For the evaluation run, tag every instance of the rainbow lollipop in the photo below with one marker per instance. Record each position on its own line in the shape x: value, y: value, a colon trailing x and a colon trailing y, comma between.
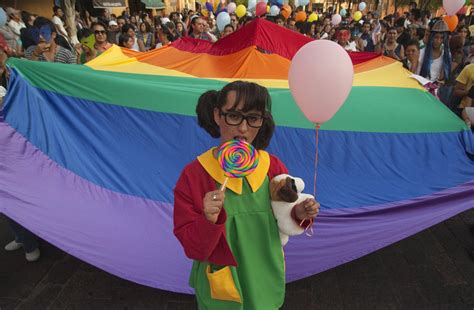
x: 237, y: 158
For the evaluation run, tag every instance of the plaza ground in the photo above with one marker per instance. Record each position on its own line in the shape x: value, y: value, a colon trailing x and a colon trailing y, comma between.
x: 430, y: 270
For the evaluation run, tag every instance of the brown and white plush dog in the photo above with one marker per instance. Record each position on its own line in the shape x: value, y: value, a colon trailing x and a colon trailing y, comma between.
x: 285, y: 193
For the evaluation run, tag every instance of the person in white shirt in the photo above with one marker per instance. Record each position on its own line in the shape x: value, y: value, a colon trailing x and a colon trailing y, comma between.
x: 15, y: 22
x: 58, y: 22
x: 343, y: 39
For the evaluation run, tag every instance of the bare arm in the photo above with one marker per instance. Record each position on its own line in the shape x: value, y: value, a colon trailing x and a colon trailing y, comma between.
x: 460, y: 90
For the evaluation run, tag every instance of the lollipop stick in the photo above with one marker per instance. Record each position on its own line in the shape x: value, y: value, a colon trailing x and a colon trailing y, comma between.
x: 224, y: 184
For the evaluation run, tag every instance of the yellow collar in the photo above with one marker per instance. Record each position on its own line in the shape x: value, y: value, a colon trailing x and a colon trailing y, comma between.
x: 255, y: 179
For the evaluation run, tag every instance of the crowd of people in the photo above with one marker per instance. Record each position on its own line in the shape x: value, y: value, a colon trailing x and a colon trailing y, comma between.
x: 423, y: 44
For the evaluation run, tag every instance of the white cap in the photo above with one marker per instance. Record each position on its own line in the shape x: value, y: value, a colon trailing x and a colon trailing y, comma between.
x: 113, y: 23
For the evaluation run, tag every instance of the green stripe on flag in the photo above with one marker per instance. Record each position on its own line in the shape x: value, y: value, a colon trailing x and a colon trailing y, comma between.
x: 368, y: 109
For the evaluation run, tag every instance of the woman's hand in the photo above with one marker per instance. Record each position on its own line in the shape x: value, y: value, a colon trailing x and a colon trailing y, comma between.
x: 307, y: 209
x: 78, y: 49
x: 468, y: 123
x: 213, y: 203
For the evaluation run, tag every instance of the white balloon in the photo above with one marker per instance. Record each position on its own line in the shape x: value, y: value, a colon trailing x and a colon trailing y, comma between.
x: 222, y: 20
x: 252, y: 4
x: 452, y: 6
x: 362, y: 6
x: 336, y: 19
x: 274, y: 10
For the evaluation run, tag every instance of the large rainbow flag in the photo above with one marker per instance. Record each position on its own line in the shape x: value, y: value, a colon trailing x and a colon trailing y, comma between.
x: 89, y: 155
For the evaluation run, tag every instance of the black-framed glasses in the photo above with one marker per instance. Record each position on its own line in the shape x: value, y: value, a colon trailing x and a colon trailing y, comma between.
x: 235, y: 118
x: 97, y: 32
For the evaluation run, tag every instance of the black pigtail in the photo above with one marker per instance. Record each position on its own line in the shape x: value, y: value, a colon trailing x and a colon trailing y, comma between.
x: 205, y: 112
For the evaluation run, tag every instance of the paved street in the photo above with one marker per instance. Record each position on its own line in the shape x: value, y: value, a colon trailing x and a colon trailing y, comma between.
x: 431, y: 270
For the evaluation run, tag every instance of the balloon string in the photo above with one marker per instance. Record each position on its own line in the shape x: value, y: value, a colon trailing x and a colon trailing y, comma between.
x: 316, y: 159
x: 309, y: 229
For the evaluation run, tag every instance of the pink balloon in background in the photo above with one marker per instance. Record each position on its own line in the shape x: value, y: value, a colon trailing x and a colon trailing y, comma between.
x: 231, y: 7
x: 452, y: 6
x: 320, y: 79
x: 261, y: 9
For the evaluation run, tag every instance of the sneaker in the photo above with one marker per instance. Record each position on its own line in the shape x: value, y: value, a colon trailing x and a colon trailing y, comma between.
x: 33, y: 256
x: 13, y: 246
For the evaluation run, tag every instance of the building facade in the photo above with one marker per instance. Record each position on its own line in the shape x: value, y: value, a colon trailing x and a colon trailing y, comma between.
x: 45, y: 7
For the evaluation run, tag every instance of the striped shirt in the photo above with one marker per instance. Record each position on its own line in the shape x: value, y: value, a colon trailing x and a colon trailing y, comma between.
x: 63, y: 55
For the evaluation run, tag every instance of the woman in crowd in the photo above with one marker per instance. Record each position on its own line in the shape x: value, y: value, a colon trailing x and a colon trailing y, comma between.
x: 391, y: 48
x: 435, y: 58
x: 47, y: 47
x: 146, y: 37
x: 180, y: 29
x: 412, y: 54
x: 463, y: 32
x: 126, y: 41
x: 228, y: 29
x: 137, y: 44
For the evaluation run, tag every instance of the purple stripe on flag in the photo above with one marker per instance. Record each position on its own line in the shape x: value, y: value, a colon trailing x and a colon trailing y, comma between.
x: 132, y: 237
x: 343, y: 235
x: 128, y: 236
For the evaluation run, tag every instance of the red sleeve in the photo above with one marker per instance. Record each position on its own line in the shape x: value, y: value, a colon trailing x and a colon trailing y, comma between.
x: 276, y: 167
x: 201, y: 239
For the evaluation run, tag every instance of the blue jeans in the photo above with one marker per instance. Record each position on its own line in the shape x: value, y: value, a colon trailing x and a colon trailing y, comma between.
x: 23, y: 236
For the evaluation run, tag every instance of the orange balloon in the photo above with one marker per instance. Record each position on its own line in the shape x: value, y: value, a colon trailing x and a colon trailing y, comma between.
x: 285, y: 11
x: 451, y: 21
x: 300, y: 16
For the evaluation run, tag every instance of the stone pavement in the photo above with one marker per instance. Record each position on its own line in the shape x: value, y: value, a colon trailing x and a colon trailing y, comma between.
x: 430, y: 270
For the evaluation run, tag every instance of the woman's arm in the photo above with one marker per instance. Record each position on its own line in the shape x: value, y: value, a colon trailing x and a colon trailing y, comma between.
x: 199, y: 237
x: 141, y: 45
x: 402, y: 52
x: 465, y: 117
x: 460, y: 89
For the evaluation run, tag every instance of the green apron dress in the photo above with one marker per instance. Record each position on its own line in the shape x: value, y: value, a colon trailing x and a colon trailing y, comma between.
x: 252, y: 234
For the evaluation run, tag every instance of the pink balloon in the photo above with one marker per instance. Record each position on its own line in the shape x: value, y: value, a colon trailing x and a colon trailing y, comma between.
x: 261, y: 9
x: 462, y: 11
x: 231, y: 7
x: 336, y: 19
x: 452, y: 6
x: 320, y: 79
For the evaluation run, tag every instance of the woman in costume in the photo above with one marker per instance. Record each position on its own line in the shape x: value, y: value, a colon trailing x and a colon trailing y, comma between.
x: 435, y: 58
x: 233, y: 236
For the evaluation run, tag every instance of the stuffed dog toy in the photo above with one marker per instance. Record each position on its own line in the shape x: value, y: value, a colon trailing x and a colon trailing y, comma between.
x: 285, y: 193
